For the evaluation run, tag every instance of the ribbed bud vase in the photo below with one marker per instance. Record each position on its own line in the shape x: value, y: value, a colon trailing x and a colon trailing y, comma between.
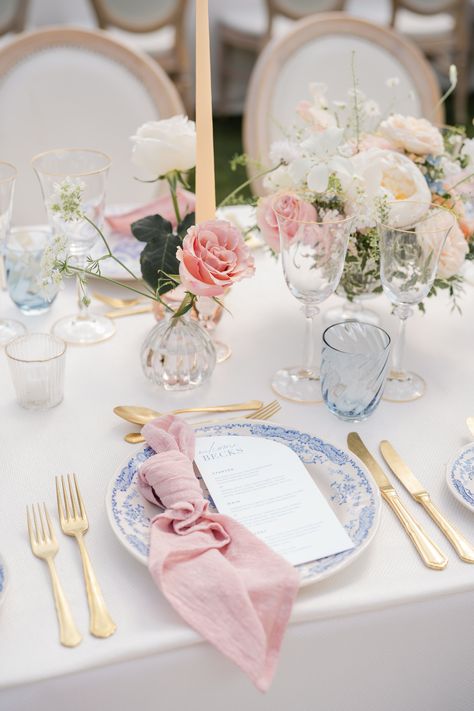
x: 178, y: 354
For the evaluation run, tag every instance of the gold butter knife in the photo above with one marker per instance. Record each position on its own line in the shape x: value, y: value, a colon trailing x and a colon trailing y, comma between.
x: 461, y: 545
x: 432, y: 556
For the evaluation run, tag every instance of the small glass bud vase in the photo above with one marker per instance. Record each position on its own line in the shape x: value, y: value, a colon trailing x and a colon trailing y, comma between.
x: 178, y: 354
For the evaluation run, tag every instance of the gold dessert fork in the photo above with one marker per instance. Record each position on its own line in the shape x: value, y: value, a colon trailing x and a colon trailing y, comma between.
x: 73, y: 518
x: 45, y: 546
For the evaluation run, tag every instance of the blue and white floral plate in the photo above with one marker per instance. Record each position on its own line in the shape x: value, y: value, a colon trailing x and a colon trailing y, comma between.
x: 460, y: 475
x: 3, y: 580
x: 350, y: 491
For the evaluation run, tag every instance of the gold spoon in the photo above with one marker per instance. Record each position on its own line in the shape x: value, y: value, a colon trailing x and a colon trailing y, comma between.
x: 470, y: 424
x: 142, y: 415
x: 263, y: 413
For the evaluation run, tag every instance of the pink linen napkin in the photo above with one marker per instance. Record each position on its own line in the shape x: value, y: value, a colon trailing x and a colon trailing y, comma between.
x: 223, y: 581
x: 161, y: 206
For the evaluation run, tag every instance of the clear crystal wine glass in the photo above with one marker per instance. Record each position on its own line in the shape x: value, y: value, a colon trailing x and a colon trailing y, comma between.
x: 409, y: 254
x: 9, y: 328
x: 88, y: 169
x: 313, y: 254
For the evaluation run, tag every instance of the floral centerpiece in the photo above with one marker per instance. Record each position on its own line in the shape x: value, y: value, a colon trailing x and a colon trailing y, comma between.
x: 192, y: 260
x: 346, y: 159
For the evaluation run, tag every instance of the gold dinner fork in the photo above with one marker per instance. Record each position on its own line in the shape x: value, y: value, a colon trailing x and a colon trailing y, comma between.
x: 45, y: 546
x: 73, y: 518
x: 263, y: 413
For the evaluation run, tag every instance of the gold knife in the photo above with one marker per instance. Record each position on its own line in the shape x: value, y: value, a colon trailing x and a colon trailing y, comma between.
x: 432, y: 556
x: 461, y: 545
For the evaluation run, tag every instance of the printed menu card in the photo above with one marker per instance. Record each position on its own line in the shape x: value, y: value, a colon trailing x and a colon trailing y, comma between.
x: 265, y: 486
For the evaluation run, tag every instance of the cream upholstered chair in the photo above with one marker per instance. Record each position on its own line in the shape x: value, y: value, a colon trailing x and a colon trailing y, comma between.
x: 441, y: 29
x: 249, y: 26
x: 321, y: 49
x: 156, y: 27
x: 77, y: 88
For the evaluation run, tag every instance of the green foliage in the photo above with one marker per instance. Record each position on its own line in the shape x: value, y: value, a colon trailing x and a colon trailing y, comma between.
x: 158, y: 259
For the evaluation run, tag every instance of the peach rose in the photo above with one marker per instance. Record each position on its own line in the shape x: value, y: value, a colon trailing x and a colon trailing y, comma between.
x: 455, y: 248
x: 413, y: 135
x: 290, y: 208
x: 213, y: 256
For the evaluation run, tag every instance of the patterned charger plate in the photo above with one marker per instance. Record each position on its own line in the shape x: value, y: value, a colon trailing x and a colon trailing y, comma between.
x: 460, y: 475
x: 350, y: 491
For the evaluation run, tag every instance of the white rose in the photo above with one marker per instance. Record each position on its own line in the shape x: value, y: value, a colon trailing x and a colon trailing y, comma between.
x: 413, y: 135
x: 163, y: 146
x: 455, y: 248
x: 391, y: 176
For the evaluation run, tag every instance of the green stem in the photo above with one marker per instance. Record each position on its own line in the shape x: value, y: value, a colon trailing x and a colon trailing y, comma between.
x: 78, y: 270
x: 247, y: 182
x: 468, y: 177
x: 356, y: 105
x: 172, y: 182
x: 111, y: 255
x: 446, y: 94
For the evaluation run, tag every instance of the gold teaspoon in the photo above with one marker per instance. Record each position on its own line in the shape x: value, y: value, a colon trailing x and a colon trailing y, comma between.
x: 142, y: 415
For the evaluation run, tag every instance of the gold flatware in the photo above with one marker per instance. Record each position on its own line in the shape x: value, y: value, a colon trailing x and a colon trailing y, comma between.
x: 44, y: 545
x: 142, y: 415
x: 73, y: 519
x: 432, y: 556
x: 131, y: 311
x: 263, y: 413
x: 117, y: 303
x: 461, y: 545
x: 470, y: 424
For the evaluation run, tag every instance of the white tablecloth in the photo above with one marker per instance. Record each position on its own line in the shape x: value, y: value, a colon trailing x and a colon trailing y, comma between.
x: 384, y: 634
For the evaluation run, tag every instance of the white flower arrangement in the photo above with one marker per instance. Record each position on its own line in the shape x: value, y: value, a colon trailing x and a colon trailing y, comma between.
x: 345, y: 156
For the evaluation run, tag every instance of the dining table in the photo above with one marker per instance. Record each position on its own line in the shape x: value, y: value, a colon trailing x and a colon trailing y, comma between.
x: 385, y: 633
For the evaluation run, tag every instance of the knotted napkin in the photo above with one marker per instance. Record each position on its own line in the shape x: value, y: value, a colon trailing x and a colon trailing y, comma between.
x: 223, y: 581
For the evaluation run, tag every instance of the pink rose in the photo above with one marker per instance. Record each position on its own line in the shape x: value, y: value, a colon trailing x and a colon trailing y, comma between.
x: 292, y: 212
x: 213, y: 256
x: 161, y: 206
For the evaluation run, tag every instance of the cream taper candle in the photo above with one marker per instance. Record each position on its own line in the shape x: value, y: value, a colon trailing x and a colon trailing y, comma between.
x: 205, y: 181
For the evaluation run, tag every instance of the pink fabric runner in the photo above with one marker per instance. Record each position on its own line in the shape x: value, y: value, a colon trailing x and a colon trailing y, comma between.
x: 161, y: 206
x: 222, y: 580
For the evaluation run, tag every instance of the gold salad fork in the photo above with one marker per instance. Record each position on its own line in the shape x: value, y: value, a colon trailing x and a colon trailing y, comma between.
x: 73, y: 518
x: 45, y: 546
x: 263, y: 413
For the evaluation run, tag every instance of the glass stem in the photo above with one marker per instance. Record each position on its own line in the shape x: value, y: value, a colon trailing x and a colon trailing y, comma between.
x: 310, y: 312
x: 403, y: 311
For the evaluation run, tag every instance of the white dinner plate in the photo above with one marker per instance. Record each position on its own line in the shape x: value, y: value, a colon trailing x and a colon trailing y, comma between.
x: 460, y: 475
x: 128, y: 249
x: 349, y: 489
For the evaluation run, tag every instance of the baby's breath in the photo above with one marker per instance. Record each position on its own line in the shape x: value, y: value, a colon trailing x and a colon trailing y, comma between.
x: 66, y: 200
